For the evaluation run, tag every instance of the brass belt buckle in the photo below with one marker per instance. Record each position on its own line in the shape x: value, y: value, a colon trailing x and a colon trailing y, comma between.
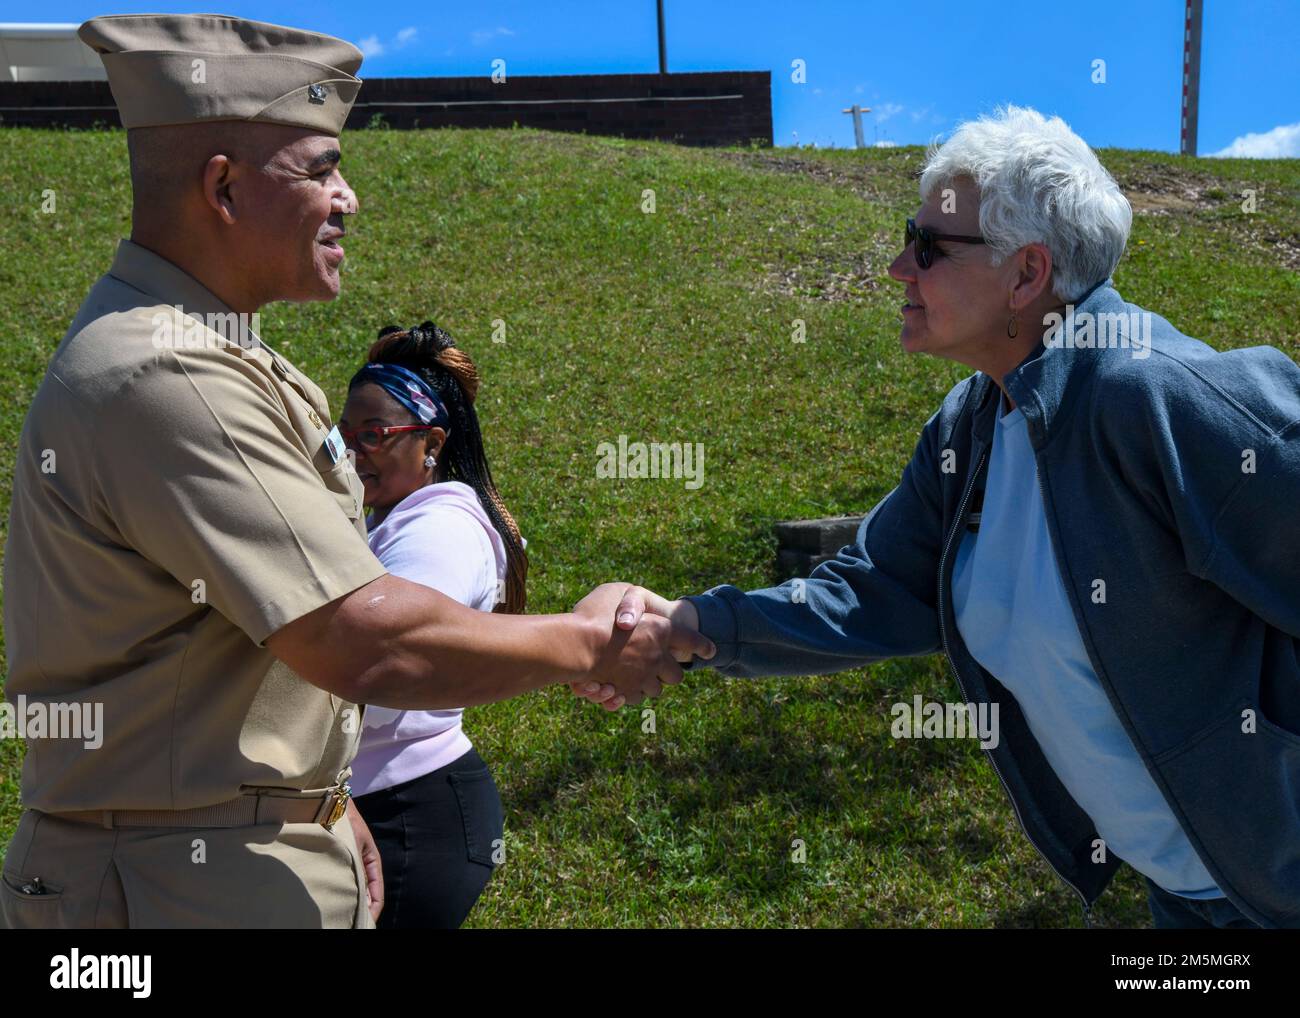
x: 340, y: 806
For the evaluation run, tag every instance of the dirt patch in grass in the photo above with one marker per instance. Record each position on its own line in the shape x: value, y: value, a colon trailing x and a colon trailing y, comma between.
x: 886, y: 176
x: 826, y: 279
x: 885, y: 179
x: 1159, y: 204
x: 889, y: 177
x: 1162, y: 190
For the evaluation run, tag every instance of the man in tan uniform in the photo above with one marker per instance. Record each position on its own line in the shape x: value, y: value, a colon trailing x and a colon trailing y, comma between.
x: 187, y: 544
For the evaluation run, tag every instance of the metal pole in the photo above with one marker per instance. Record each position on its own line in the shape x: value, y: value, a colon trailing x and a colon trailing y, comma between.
x: 1191, y: 76
x: 663, y: 45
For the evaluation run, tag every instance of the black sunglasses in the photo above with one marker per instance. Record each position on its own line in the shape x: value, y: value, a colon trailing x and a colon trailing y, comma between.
x: 925, y: 249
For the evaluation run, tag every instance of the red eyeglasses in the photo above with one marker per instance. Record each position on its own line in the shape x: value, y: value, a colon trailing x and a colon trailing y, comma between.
x: 371, y: 439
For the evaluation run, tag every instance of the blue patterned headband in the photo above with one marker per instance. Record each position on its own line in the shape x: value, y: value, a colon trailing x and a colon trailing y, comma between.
x: 409, y: 389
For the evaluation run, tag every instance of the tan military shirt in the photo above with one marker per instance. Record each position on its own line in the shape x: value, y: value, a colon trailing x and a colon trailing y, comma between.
x: 174, y: 505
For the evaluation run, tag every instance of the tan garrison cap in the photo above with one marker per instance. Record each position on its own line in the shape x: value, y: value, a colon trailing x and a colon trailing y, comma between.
x: 186, y: 68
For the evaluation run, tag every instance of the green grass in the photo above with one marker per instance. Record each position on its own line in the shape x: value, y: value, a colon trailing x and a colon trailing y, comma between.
x: 676, y: 326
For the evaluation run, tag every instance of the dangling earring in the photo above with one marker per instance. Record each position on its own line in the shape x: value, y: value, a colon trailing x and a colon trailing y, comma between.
x: 429, y: 461
x: 1013, y: 327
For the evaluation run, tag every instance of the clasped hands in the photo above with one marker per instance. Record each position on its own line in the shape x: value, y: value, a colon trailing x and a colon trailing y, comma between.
x: 648, y: 640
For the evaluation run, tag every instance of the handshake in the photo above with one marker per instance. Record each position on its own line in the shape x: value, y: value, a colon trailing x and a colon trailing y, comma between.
x: 648, y: 638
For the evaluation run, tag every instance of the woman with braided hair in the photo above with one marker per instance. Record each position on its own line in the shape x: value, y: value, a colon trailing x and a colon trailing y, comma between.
x: 436, y: 519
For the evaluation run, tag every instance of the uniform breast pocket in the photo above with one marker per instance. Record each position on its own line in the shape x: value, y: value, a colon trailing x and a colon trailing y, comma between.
x: 343, y: 483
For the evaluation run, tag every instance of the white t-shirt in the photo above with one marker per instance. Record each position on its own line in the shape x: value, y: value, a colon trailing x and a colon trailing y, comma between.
x: 1013, y: 611
x: 439, y: 536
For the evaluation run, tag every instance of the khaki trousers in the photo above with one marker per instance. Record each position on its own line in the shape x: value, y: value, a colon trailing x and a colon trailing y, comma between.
x: 280, y: 876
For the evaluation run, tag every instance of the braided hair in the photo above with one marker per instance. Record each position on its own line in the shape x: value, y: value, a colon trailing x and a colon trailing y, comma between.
x: 433, y: 355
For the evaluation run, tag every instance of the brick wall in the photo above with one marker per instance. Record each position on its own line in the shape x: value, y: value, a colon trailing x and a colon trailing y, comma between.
x: 704, y: 108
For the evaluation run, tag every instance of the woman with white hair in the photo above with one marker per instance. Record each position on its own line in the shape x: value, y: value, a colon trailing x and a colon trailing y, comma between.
x: 1096, y: 528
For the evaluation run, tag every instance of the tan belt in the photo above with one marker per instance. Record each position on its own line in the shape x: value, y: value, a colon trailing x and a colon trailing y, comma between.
x: 261, y: 807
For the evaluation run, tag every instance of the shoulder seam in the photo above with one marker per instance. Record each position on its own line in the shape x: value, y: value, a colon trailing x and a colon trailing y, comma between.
x: 1245, y: 411
x: 1229, y: 498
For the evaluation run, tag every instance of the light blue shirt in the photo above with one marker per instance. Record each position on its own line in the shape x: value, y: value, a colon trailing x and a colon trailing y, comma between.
x: 1013, y: 612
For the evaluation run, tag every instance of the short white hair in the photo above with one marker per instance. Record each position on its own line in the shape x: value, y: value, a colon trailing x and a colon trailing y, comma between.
x: 1039, y: 182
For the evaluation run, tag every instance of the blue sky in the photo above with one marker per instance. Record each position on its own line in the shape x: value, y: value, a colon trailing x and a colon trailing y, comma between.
x: 922, y: 69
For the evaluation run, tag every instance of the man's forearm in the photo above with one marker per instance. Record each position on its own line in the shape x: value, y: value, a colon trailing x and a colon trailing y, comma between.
x: 459, y: 659
x: 400, y: 644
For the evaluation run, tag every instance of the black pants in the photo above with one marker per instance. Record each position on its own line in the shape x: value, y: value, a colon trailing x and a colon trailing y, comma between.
x: 1174, y: 912
x: 436, y: 836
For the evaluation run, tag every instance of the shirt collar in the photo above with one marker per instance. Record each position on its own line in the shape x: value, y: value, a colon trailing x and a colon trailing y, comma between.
x: 167, y: 283
x: 153, y: 274
x: 1045, y: 384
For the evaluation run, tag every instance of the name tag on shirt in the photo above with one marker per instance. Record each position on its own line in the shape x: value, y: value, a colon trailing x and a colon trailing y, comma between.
x: 334, y: 445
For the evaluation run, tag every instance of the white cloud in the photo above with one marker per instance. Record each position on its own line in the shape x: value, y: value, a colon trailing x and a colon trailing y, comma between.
x: 919, y: 115
x: 885, y: 144
x: 1283, y: 142
x: 886, y: 110
x: 486, y: 35
x: 371, y: 47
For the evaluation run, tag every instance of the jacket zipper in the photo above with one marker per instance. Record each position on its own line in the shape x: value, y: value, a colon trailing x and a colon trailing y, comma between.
x: 952, y: 665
